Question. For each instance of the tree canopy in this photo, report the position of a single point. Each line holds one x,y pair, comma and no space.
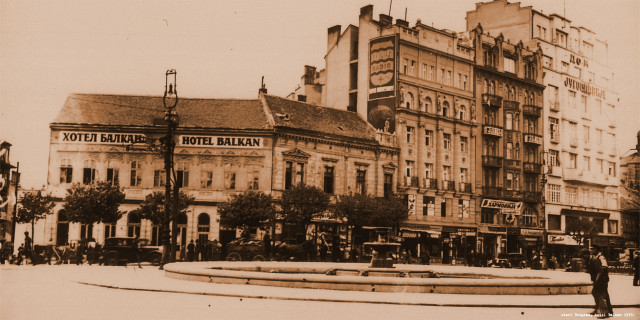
302,203
91,203
34,206
248,209
582,228
152,208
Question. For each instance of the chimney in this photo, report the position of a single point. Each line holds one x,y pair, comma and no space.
366,12
332,36
385,20
403,23
309,74
263,88
302,98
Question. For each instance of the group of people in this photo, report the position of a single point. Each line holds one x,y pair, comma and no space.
201,250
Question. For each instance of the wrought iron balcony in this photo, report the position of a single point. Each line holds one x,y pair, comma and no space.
511,194
448,185
492,161
533,167
465,187
509,104
531,110
411,181
491,100
532,196
491,191
429,183
511,163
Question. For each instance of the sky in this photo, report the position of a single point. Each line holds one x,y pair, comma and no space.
221,49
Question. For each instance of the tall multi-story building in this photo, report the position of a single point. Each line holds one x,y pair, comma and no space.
629,199
509,91
414,84
8,186
224,147
579,118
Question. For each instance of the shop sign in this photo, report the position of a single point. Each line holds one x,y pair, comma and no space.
497,229
511,206
531,232
630,244
529,138
561,239
220,141
411,203
382,67
531,239
493,131
583,87
101,137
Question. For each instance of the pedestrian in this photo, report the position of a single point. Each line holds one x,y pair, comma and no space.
2,245
80,253
190,251
216,248
323,248
636,268
28,243
267,245
597,269
335,249
136,249
20,254
535,260
554,262
198,250
91,251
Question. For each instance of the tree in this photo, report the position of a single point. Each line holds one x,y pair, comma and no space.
33,207
246,210
302,203
389,212
357,210
97,202
582,228
152,208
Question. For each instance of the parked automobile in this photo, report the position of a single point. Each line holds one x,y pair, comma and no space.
509,260
248,249
120,250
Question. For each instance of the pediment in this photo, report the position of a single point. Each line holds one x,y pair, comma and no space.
296,154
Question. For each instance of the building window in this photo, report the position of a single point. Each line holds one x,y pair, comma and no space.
573,161
598,199
508,119
554,221
361,185
432,71
587,163
600,165
561,38
89,172
133,225
253,178
405,66
410,134
206,175
554,158
408,100
109,230
448,79
553,193
462,113
572,99
612,200
613,226
66,171
413,67
571,195
612,169
136,175
464,144
587,136
509,65
445,109
554,129
329,179
182,174
159,178
464,173
428,170
203,227
409,168
86,231
424,71
428,206
113,173
447,141
230,172
573,134
428,137
585,105
509,150
294,174
487,215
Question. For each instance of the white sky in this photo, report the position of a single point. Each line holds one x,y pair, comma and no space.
221,49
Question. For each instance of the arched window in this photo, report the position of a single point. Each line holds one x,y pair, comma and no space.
203,227
445,108
428,105
462,112
89,171
133,224
408,100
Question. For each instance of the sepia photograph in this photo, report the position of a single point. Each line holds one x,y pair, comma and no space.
299,159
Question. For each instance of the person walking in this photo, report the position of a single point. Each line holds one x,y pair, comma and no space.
136,250
600,278
267,245
20,254
190,251
636,268
27,250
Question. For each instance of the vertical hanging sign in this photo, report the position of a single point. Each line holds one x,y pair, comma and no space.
382,79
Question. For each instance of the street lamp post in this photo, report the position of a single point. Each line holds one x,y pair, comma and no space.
543,182
170,100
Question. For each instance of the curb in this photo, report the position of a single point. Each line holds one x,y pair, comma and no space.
249,296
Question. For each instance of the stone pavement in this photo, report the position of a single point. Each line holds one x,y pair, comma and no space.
623,294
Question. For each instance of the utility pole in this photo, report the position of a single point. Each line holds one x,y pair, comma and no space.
15,208
170,100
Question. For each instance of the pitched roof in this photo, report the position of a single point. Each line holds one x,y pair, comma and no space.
125,110
303,116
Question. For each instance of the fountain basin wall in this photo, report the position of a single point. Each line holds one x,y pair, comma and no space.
312,276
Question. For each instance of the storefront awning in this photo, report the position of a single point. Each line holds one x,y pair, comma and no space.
584,213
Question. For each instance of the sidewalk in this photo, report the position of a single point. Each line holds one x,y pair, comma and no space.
623,294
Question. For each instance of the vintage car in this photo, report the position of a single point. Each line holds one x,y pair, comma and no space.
509,260
248,249
120,250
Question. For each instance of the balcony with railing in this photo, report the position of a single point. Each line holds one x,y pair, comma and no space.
532,138
532,110
532,196
511,194
492,161
533,167
488,191
495,131
410,181
509,104
512,164
465,187
448,185
429,183
491,100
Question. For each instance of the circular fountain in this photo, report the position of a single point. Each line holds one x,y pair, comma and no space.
361,277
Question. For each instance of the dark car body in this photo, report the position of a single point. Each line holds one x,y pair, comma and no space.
509,260
120,250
